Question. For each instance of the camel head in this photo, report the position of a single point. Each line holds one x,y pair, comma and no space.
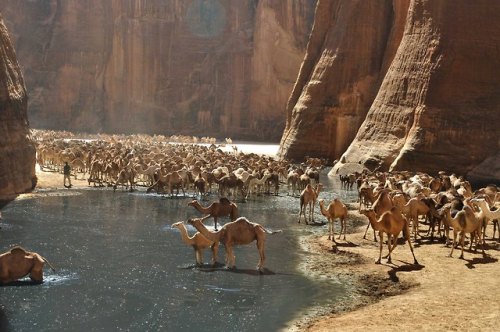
367,212
177,224
194,202
193,221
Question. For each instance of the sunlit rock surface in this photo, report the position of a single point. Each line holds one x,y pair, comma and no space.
17,152
218,67
425,74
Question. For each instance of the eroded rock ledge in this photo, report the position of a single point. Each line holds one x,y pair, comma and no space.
398,85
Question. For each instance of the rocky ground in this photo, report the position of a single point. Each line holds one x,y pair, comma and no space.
441,293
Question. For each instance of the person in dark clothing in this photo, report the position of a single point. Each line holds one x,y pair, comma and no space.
67,175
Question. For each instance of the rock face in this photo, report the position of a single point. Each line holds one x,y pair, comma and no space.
425,74
17,151
200,67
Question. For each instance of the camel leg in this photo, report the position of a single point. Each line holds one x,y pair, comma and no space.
381,236
199,257
366,231
453,244
215,252
230,259
300,214
388,256
462,239
260,247
411,248
393,245
344,225
215,222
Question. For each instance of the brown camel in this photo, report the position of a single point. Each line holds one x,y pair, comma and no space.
336,209
382,204
17,263
464,222
488,214
238,232
309,197
198,242
222,208
391,222
412,210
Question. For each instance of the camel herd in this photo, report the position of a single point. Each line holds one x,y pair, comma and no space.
392,202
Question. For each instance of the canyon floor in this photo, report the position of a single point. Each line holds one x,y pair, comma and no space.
441,293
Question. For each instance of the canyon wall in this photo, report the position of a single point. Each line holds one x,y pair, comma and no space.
17,151
196,67
410,85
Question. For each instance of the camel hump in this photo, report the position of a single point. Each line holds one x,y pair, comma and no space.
243,220
17,250
224,200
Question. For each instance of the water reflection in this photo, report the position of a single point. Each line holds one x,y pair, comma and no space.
121,267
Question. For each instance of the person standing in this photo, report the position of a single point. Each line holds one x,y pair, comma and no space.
67,175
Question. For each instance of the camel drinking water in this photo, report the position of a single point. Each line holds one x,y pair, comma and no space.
198,242
238,232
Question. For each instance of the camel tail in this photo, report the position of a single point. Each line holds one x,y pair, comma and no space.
48,263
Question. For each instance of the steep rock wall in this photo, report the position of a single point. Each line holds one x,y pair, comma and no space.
438,106
347,56
17,151
408,85
155,66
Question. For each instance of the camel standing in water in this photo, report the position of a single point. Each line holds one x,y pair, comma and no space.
336,209
308,197
198,242
238,232
222,208
391,222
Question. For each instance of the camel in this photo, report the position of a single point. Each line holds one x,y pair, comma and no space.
464,222
255,184
412,210
17,263
382,204
222,208
125,177
198,242
238,232
336,209
487,213
201,185
391,222
309,197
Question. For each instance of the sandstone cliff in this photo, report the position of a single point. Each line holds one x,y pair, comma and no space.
182,66
17,152
430,93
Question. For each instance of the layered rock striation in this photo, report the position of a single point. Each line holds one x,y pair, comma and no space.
421,91
17,151
200,67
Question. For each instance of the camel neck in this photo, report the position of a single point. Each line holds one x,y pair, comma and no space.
212,236
184,234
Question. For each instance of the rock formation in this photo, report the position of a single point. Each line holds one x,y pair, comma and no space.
17,151
200,67
424,73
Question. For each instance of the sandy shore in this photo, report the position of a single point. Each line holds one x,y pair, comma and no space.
442,293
